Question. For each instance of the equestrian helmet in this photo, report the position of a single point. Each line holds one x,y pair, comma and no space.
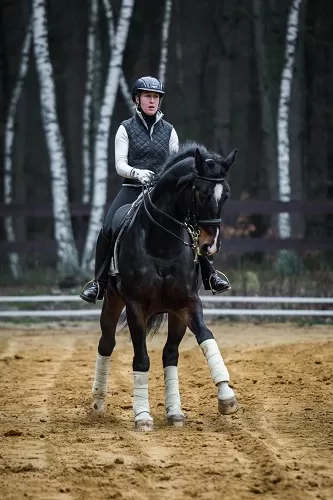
147,83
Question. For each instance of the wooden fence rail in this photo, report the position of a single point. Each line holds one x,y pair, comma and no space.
246,207
233,207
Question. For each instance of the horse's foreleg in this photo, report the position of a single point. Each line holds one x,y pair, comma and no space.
141,364
176,332
111,310
227,402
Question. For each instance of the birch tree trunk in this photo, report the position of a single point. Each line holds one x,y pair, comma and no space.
87,104
14,262
284,221
97,91
102,140
122,80
165,40
66,251
297,127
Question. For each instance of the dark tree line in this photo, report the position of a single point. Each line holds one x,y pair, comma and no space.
214,91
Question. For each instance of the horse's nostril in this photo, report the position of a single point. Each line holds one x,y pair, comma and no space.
204,248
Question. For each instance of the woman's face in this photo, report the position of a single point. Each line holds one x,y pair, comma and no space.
149,102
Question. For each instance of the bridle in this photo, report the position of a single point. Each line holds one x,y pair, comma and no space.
191,223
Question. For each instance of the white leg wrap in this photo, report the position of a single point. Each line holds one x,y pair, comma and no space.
218,370
224,391
100,385
141,402
172,396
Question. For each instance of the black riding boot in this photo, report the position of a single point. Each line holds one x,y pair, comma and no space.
211,280
102,265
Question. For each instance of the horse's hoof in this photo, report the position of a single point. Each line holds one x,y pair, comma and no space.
176,420
228,406
144,425
97,406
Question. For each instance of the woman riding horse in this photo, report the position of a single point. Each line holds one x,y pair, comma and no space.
142,145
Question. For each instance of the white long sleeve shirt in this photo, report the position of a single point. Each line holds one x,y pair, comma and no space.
122,146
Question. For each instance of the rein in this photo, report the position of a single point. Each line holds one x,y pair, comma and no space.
192,228
193,233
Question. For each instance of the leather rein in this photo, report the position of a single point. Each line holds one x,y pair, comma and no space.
191,223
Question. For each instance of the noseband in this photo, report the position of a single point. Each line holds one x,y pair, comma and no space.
193,209
191,223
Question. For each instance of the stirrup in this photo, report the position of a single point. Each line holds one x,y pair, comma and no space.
223,275
88,282
99,289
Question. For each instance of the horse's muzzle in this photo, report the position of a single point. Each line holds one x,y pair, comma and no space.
209,241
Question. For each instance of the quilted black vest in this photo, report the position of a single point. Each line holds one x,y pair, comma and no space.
145,151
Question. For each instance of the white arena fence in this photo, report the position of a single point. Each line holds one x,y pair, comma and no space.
31,299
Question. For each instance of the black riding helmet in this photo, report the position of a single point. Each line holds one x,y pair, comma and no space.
147,83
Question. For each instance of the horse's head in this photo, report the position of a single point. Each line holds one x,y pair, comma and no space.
206,196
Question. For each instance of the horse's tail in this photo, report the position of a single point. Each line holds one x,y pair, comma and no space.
154,323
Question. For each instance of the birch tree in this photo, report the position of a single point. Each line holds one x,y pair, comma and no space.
14,261
66,250
284,221
87,104
100,176
122,80
165,40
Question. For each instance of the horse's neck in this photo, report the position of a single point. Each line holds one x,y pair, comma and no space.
165,199
163,238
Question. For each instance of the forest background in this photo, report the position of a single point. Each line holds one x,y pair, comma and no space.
248,74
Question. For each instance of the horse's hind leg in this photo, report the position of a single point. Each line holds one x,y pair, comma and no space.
111,310
227,402
137,325
176,332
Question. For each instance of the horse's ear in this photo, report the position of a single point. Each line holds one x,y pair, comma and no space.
198,162
210,163
228,161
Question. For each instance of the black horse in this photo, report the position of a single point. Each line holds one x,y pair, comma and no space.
157,273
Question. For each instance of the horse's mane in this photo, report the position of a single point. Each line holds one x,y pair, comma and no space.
188,150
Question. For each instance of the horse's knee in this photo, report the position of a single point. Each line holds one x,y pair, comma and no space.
170,355
141,363
107,342
106,348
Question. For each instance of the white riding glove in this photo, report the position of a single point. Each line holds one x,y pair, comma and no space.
142,176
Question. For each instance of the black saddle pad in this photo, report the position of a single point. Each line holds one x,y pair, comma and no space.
119,217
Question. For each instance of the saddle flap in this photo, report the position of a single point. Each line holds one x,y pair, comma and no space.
119,217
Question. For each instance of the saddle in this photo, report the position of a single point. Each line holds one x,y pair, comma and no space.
122,221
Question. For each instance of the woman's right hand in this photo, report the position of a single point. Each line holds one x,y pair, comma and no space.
142,175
